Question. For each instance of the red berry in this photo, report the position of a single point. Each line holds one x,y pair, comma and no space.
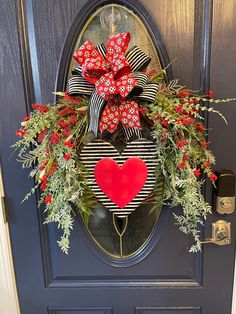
197,172
200,127
43,186
213,177
183,94
165,123
180,144
210,94
185,157
179,108
207,164
204,144
67,156
181,165
48,199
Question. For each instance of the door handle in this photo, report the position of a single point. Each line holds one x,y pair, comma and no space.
221,233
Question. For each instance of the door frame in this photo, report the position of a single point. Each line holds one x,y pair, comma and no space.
233,309
7,277
8,290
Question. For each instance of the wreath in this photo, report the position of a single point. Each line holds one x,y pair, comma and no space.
112,97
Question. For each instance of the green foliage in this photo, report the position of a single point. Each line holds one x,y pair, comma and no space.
183,155
51,148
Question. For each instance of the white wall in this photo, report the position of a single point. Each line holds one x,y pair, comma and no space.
8,293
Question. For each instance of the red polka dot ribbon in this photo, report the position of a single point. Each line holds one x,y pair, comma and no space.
111,75
127,113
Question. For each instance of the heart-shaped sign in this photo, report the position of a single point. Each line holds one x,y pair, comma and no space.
121,184
120,198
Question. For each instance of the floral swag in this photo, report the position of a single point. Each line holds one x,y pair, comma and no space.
110,94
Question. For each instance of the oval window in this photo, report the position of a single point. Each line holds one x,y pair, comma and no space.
121,237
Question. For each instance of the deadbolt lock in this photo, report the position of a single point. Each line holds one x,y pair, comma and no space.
225,192
221,233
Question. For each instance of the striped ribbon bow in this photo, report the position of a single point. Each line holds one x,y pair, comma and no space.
112,77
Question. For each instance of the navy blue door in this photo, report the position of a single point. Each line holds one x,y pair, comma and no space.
164,278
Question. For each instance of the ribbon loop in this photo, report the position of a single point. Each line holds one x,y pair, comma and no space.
86,51
77,85
91,60
149,92
137,59
117,45
93,69
142,79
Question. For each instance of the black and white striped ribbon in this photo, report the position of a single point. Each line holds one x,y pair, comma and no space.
149,92
77,85
142,79
137,59
130,132
102,49
144,149
77,70
96,105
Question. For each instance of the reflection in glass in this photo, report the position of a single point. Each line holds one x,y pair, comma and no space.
135,229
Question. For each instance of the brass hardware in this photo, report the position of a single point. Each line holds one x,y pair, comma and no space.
225,192
120,232
221,233
4,209
225,205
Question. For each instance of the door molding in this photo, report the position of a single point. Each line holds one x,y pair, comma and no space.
9,299
233,310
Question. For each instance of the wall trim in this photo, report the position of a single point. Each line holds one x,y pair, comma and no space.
9,299
233,310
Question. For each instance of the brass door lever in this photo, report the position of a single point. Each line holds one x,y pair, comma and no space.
221,233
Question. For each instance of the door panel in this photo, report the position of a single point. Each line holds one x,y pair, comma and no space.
175,20
80,311
53,18
179,310
80,270
168,279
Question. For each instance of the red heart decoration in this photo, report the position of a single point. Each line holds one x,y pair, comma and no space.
121,184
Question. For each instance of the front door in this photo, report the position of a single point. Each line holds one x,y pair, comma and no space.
163,278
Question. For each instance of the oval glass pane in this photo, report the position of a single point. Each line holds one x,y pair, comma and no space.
121,237
106,230
112,19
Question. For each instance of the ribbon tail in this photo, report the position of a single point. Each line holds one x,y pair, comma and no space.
110,117
129,133
96,105
130,119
